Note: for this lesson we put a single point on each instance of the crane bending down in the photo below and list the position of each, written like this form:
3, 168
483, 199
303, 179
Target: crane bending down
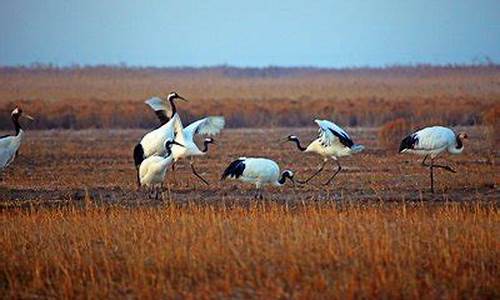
9, 144
153, 169
333, 142
431, 141
153, 142
259, 171
206, 126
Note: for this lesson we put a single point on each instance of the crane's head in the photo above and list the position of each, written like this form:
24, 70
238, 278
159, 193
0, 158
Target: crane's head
18, 112
290, 138
463, 135
209, 141
287, 174
173, 96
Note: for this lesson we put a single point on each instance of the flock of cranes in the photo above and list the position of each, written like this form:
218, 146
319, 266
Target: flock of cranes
160, 149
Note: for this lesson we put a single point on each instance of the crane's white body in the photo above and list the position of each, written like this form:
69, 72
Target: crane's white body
153, 170
433, 141
9, 145
258, 171
333, 141
153, 143
206, 126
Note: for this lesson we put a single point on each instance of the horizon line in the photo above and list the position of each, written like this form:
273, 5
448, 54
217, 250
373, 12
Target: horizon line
39, 65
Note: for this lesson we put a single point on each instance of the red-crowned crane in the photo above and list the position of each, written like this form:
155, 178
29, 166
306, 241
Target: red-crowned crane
333, 142
153, 169
206, 126
9, 144
431, 141
153, 142
258, 171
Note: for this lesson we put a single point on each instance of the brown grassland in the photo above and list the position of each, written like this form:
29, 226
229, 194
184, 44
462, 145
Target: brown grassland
105, 97
72, 224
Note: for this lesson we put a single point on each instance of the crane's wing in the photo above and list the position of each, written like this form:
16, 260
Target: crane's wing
206, 126
432, 138
161, 110
177, 129
5, 141
6, 157
330, 133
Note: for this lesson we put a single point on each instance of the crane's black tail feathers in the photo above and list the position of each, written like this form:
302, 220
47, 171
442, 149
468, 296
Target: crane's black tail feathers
138, 158
408, 143
234, 170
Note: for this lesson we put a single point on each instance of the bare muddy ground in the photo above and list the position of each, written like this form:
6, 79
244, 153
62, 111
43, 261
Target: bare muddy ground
59, 168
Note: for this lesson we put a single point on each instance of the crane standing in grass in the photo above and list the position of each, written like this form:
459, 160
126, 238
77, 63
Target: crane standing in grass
259, 171
10, 144
333, 142
431, 141
153, 169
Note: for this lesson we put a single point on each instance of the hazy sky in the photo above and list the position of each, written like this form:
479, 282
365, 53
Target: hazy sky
248, 33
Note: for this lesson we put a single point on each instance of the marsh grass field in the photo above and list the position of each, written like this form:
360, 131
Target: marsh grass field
72, 224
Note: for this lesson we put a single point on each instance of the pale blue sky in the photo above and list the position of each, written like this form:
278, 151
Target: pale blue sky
248, 33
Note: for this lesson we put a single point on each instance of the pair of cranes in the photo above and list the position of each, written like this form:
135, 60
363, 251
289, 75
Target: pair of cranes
159, 149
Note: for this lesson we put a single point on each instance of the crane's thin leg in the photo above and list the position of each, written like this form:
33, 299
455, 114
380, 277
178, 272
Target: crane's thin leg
432, 176
334, 174
162, 190
158, 191
198, 175
138, 179
423, 162
313, 175
447, 168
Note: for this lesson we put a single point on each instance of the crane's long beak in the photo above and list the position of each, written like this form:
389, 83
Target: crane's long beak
283, 141
182, 98
176, 143
28, 117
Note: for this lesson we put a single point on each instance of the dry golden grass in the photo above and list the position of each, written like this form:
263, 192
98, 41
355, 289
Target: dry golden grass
265, 250
72, 225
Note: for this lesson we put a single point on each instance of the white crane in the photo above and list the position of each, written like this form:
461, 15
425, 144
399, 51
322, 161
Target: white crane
9, 144
333, 142
431, 141
153, 169
258, 171
207, 126
153, 142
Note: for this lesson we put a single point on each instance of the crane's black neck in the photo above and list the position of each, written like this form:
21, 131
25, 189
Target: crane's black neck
459, 142
299, 146
205, 144
172, 106
17, 126
283, 178
168, 150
